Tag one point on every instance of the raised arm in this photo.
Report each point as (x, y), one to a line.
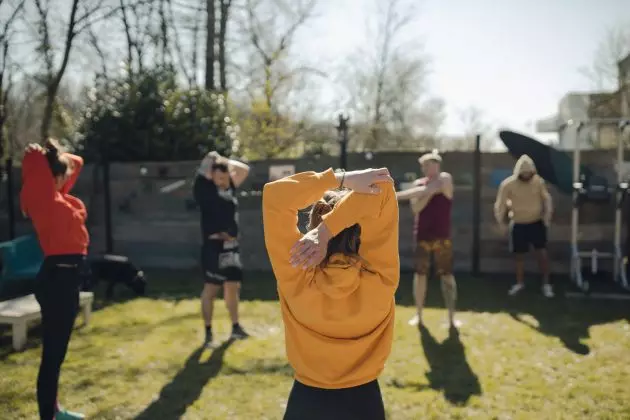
(547, 203)
(76, 163)
(420, 192)
(378, 217)
(238, 172)
(205, 196)
(282, 199)
(38, 186)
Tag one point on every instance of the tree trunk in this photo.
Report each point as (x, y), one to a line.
(163, 34)
(225, 14)
(53, 82)
(210, 35)
(127, 27)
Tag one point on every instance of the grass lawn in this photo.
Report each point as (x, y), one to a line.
(522, 358)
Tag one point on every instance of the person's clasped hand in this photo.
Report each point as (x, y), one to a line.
(311, 249)
(34, 147)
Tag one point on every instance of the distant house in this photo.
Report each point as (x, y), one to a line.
(599, 111)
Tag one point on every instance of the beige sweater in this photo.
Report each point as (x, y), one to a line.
(527, 202)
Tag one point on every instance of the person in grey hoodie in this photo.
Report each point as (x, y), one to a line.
(524, 200)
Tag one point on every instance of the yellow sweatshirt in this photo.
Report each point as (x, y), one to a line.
(339, 320)
(528, 202)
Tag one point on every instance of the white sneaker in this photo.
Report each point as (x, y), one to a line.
(547, 291)
(514, 290)
(415, 321)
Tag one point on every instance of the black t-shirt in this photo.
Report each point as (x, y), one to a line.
(219, 209)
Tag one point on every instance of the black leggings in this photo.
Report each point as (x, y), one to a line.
(57, 291)
(363, 402)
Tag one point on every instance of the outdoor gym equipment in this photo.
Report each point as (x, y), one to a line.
(596, 189)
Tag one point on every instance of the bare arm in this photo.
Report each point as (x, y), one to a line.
(443, 184)
(238, 172)
(77, 165)
(423, 191)
(547, 203)
(446, 181)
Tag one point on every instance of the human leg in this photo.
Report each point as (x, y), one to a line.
(231, 268)
(213, 281)
(58, 296)
(519, 245)
(444, 268)
(539, 241)
(208, 295)
(421, 261)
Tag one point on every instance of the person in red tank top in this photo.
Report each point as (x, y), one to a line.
(431, 201)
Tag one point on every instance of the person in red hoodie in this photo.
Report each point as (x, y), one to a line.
(48, 175)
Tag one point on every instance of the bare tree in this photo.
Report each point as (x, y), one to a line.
(224, 19)
(210, 43)
(12, 11)
(81, 16)
(614, 46)
(474, 122)
(386, 82)
(137, 19)
(95, 42)
(272, 126)
(181, 19)
(272, 42)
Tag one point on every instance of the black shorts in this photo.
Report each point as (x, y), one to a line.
(221, 262)
(522, 235)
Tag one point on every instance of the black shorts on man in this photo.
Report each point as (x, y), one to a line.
(221, 261)
(524, 235)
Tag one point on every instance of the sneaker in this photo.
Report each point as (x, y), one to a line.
(514, 290)
(238, 333)
(415, 321)
(208, 343)
(68, 415)
(456, 324)
(547, 291)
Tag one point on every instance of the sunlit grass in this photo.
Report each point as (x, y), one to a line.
(521, 359)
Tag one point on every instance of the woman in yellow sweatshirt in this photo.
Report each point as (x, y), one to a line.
(336, 286)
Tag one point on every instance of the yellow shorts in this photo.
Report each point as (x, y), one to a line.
(442, 250)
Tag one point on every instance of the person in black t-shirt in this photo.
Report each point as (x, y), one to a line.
(215, 193)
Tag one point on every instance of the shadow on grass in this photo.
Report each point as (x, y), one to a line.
(567, 319)
(450, 371)
(186, 386)
(178, 285)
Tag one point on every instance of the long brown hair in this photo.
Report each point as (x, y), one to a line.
(346, 242)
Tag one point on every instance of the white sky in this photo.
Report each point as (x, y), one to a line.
(514, 59)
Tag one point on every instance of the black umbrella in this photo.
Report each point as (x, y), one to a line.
(555, 166)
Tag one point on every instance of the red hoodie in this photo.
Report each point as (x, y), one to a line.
(58, 217)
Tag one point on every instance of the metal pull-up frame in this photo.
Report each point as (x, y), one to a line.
(598, 192)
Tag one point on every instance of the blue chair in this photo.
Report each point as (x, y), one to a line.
(21, 259)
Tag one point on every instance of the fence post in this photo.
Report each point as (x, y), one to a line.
(476, 215)
(107, 202)
(10, 202)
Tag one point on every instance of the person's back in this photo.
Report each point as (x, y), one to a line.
(339, 315)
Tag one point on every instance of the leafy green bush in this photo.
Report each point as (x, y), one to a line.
(149, 118)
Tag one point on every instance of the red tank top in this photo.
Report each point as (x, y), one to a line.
(434, 221)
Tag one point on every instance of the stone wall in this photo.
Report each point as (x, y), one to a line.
(157, 226)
